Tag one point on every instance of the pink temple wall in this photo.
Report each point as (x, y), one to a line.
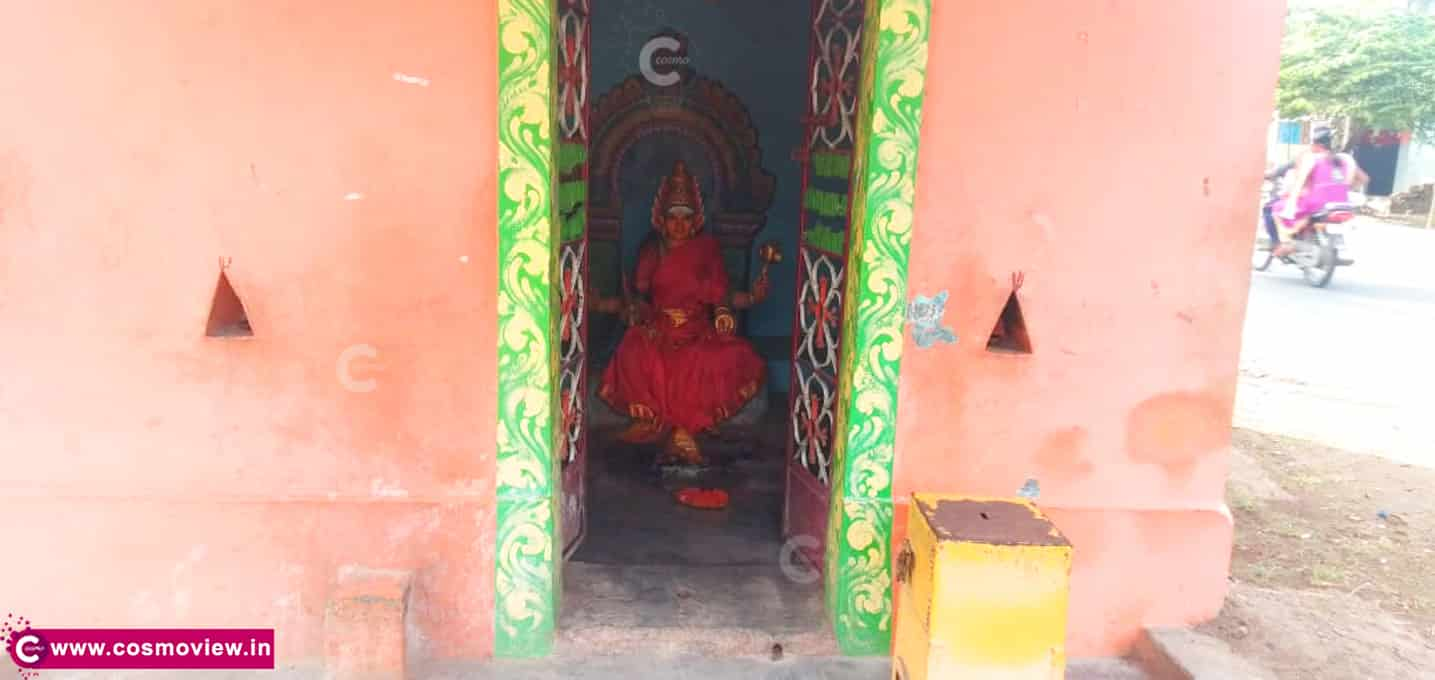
(1111, 152)
(157, 477)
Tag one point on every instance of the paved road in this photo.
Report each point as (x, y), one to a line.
(1351, 365)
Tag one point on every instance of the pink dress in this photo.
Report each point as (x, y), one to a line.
(1326, 184)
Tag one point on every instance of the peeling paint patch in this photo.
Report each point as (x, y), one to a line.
(925, 315)
(411, 80)
(353, 196)
(356, 571)
(1040, 219)
(469, 487)
(387, 489)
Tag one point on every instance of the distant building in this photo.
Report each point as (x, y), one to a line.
(1395, 161)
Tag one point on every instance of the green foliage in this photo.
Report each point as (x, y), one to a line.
(1378, 68)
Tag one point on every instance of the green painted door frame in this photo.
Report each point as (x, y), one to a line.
(528, 565)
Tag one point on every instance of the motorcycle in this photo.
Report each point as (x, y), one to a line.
(1319, 248)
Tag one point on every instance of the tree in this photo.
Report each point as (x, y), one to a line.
(1377, 68)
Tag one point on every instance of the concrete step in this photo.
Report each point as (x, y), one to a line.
(561, 667)
(730, 668)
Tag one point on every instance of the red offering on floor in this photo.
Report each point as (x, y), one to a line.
(706, 499)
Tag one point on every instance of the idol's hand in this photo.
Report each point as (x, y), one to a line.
(743, 300)
(633, 313)
(606, 305)
(760, 288)
(676, 317)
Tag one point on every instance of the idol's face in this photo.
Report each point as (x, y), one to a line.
(678, 226)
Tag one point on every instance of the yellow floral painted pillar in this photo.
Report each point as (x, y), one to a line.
(858, 569)
(526, 578)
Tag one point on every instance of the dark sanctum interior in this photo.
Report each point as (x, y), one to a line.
(696, 135)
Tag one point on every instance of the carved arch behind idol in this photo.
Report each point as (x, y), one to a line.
(707, 113)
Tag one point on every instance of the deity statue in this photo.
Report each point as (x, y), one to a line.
(679, 370)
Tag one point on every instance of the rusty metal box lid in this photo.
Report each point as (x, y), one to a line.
(988, 520)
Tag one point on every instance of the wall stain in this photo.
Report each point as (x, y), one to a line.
(1176, 430)
(1061, 455)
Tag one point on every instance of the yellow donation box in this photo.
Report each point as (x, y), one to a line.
(982, 586)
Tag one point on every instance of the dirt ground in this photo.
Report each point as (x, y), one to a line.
(1333, 574)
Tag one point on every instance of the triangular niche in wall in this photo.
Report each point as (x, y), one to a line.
(1010, 334)
(227, 318)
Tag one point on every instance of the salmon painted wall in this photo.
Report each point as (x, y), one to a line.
(343, 157)
(1110, 151)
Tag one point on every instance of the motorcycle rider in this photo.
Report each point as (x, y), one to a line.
(1321, 177)
(1274, 177)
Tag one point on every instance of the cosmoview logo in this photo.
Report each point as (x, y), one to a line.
(658, 59)
(30, 648)
(34, 650)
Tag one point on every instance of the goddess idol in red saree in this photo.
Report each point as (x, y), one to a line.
(679, 369)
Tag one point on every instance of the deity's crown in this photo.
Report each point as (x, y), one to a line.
(679, 190)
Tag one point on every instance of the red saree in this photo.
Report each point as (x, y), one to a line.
(690, 375)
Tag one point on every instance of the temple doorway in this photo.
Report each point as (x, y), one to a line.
(695, 107)
(800, 147)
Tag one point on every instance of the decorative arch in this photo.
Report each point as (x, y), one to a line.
(707, 113)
